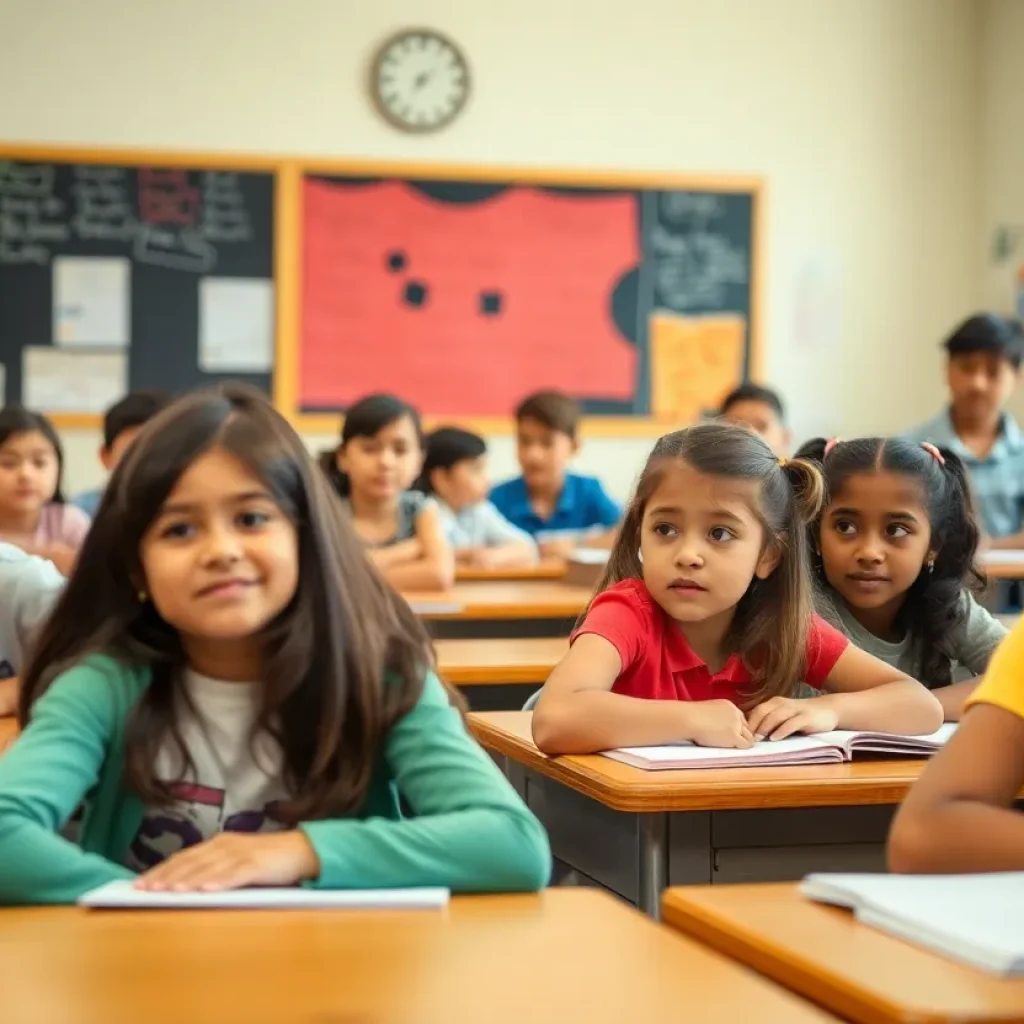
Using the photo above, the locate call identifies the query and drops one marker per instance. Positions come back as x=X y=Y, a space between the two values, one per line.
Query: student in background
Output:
x=373 y=469
x=703 y=627
x=896 y=544
x=29 y=587
x=33 y=515
x=121 y=424
x=760 y=409
x=982 y=370
x=559 y=509
x=241 y=696
x=959 y=816
x=455 y=474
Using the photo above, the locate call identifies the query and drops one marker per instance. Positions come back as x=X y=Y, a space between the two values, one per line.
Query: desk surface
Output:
x=624 y=788
x=545 y=569
x=498 y=661
x=509 y=599
x=825 y=955
x=564 y=955
x=1011 y=568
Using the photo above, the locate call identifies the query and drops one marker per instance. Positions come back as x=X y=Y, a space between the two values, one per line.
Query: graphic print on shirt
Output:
x=197 y=814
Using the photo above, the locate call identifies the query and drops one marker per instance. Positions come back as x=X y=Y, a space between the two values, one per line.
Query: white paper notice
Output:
x=59 y=380
x=236 y=325
x=91 y=304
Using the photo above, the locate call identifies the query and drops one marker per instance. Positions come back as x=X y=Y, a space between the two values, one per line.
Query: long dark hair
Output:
x=931 y=607
x=367 y=418
x=341 y=664
x=771 y=622
x=16 y=419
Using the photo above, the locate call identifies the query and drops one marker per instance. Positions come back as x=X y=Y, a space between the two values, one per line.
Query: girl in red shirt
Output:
x=702 y=626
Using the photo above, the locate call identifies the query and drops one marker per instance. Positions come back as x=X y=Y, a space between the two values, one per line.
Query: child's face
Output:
x=762 y=419
x=702 y=544
x=379 y=468
x=875 y=539
x=980 y=383
x=112 y=456
x=544 y=454
x=28 y=471
x=464 y=484
x=221 y=559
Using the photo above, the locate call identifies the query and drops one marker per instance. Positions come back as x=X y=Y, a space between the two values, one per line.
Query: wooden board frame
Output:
x=289 y=173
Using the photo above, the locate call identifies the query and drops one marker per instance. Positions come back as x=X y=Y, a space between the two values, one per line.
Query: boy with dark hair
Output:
x=121 y=423
x=982 y=371
x=560 y=510
x=760 y=409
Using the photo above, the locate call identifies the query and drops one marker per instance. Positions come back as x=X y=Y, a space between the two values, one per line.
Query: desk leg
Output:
x=652 y=876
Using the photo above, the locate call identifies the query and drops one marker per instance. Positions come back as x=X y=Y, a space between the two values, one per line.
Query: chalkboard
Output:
x=169 y=228
x=464 y=295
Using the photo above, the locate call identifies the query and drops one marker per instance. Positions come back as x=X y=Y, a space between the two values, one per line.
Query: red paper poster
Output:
x=462 y=308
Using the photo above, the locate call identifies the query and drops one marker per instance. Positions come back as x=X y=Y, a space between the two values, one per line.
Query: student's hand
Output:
x=9 y=690
x=718 y=723
x=561 y=548
x=780 y=717
x=233 y=860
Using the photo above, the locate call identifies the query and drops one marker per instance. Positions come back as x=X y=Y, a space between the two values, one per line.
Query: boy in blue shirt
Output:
x=983 y=369
x=560 y=510
x=121 y=423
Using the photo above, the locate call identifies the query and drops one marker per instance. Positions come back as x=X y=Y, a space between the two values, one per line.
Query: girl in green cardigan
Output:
x=239 y=698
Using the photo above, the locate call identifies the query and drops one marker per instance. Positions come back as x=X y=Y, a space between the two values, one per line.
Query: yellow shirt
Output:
x=1003 y=684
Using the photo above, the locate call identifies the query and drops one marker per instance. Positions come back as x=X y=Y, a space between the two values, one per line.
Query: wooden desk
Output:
x=545 y=569
x=824 y=954
x=560 y=956
x=507 y=608
x=1011 y=568
x=637 y=831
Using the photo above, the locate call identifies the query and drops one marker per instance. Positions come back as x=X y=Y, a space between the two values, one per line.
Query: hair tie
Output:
x=829 y=445
x=933 y=452
x=783 y=462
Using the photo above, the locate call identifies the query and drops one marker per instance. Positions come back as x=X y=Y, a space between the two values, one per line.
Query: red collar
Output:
x=682 y=658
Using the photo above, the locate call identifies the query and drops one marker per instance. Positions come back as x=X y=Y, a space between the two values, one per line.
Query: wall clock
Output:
x=420 y=80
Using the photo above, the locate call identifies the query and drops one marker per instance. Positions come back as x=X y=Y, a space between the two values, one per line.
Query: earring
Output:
x=639 y=556
x=930 y=564
x=142 y=596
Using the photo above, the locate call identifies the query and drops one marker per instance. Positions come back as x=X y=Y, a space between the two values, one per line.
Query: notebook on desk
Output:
x=976 y=919
x=822 y=748
x=124 y=895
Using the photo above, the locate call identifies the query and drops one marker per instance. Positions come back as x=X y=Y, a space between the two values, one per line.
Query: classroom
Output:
x=524 y=493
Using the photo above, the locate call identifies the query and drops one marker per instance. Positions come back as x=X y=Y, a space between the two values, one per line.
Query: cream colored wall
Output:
x=860 y=114
x=1002 y=146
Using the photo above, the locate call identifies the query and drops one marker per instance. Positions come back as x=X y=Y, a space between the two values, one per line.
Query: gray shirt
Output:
x=29 y=587
x=479 y=526
x=410 y=504
x=973 y=639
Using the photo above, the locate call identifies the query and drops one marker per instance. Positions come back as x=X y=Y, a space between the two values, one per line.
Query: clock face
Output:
x=420 y=80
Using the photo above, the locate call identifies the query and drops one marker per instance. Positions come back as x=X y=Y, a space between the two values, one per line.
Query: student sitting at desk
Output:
x=895 y=548
x=983 y=368
x=959 y=816
x=560 y=510
x=33 y=513
x=240 y=697
x=760 y=409
x=378 y=460
x=702 y=627
x=455 y=474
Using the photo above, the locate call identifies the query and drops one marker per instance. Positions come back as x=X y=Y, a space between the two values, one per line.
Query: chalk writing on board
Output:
x=103 y=207
x=225 y=218
x=30 y=214
x=693 y=270
x=169 y=208
x=176 y=250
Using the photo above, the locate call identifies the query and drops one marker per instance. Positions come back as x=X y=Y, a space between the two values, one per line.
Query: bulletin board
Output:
x=122 y=271
x=459 y=288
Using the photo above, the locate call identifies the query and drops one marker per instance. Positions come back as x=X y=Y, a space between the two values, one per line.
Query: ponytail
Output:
x=808 y=488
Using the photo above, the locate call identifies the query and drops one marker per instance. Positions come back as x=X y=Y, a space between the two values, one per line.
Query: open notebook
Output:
x=822 y=748
x=976 y=919
x=123 y=894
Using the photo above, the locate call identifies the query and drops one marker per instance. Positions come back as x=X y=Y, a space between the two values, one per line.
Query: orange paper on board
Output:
x=508 y=295
x=695 y=362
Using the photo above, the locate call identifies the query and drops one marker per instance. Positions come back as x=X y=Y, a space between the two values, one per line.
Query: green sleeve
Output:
x=470 y=831
x=43 y=779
